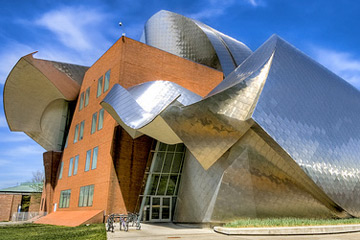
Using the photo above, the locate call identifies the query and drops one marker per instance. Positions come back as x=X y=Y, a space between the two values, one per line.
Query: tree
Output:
x=37 y=180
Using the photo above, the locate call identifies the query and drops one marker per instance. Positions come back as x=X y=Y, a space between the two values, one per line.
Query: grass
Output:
x=41 y=231
x=288 y=222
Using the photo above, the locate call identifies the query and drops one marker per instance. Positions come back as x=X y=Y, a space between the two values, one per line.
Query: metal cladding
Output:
x=194 y=40
x=275 y=138
x=137 y=110
x=41 y=92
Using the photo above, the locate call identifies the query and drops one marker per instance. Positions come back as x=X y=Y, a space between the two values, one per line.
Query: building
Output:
x=190 y=126
x=24 y=199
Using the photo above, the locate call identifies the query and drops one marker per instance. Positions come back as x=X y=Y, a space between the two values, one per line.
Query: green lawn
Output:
x=284 y=222
x=40 y=231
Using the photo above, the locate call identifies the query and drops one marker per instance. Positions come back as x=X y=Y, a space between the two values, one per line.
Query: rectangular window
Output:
x=93 y=123
x=81 y=135
x=107 y=81
x=86 y=196
x=99 y=87
x=76 y=133
x=94 y=158
x=61 y=169
x=70 y=166
x=64 y=199
x=81 y=105
x=87 y=163
x=101 y=119
x=76 y=164
x=66 y=142
x=87 y=95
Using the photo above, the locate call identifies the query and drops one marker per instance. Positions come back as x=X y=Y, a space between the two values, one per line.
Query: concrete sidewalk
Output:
x=187 y=231
x=300 y=230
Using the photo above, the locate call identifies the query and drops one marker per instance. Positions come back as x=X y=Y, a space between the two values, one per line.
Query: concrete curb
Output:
x=301 y=230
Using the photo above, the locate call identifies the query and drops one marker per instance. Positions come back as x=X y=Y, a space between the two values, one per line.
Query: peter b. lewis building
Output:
x=190 y=125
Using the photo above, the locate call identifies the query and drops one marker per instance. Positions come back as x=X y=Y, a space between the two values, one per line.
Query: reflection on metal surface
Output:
x=41 y=92
x=138 y=109
x=278 y=136
x=194 y=40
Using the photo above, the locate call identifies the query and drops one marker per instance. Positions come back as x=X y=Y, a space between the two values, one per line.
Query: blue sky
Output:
x=80 y=31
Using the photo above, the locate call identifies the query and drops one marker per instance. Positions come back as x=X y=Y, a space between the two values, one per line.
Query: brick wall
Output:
x=131 y=63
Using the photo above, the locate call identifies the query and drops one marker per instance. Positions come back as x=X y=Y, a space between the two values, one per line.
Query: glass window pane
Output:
x=180 y=147
x=76 y=164
x=76 y=133
x=87 y=95
x=172 y=184
x=81 y=104
x=86 y=196
x=94 y=158
x=168 y=159
x=87 y=163
x=159 y=162
x=91 y=195
x=107 y=81
x=99 y=87
x=81 y=135
x=61 y=169
x=93 y=123
x=66 y=142
x=177 y=162
x=162 y=184
x=101 y=119
x=70 y=166
x=68 y=199
x=171 y=148
x=81 y=197
x=162 y=147
x=154 y=183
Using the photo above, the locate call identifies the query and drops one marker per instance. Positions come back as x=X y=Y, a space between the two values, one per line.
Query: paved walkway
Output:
x=167 y=231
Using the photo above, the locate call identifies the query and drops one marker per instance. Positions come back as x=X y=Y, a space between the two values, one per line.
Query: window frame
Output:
x=107 y=80
x=87 y=96
x=93 y=123
x=94 y=157
x=81 y=132
x=101 y=117
x=86 y=196
x=81 y=104
x=99 y=86
x=71 y=162
x=64 y=200
x=76 y=133
x=76 y=165
x=87 y=160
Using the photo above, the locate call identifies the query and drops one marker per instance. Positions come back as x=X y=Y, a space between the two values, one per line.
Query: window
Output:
x=86 y=196
x=99 y=87
x=87 y=163
x=76 y=164
x=94 y=158
x=81 y=101
x=76 y=133
x=101 y=119
x=107 y=81
x=87 y=95
x=66 y=142
x=61 y=169
x=81 y=135
x=64 y=199
x=70 y=166
x=93 y=123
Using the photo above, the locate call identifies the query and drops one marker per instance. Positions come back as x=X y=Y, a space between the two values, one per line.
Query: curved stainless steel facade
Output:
x=194 y=40
x=278 y=136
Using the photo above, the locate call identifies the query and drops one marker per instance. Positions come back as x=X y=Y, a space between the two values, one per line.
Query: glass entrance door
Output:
x=160 y=209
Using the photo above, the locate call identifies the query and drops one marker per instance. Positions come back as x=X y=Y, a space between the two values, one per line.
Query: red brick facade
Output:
x=121 y=160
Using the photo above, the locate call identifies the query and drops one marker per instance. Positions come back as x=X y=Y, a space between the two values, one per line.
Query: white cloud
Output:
x=216 y=8
x=3 y=122
x=4 y=162
x=25 y=150
x=343 y=64
x=13 y=137
x=11 y=53
x=73 y=25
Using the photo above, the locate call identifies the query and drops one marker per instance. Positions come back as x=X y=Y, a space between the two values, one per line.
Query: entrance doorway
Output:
x=160 y=209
